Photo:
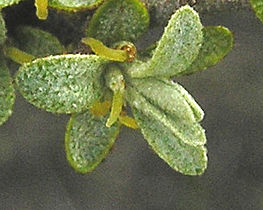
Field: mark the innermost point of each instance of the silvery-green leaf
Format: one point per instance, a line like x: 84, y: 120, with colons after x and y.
x: 189, y: 133
x: 178, y: 47
x: 5, y: 3
x: 74, y: 5
x: 118, y: 20
x: 62, y: 84
x: 2, y: 30
x: 88, y: 140
x: 184, y: 158
x: 167, y: 96
x: 197, y: 110
x: 7, y: 92
x: 257, y: 5
x: 37, y: 42
x: 217, y: 42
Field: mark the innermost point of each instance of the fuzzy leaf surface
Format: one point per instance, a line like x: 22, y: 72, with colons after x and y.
x: 257, y: 5
x: 178, y: 47
x: 168, y: 97
x: 88, y: 141
x: 37, y: 42
x: 218, y: 41
x: 197, y: 110
x: 118, y: 20
x: 2, y: 30
x: 74, y: 5
x: 62, y: 84
x: 184, y: 158
x: 7, y: 92
x: 189, y: 133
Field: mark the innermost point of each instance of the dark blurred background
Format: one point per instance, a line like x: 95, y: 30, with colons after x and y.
x: 34, y: 173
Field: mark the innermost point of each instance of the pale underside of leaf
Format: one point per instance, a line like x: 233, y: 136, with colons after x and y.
x: 7, y: 92
x: 178, y: 47
x: 118, y: 20
x: 184, y: 158
x: 257, y: 5
x: 197, y: 110
x: 217, y: 42
x: 88, y: 141
x: 62, y: 84
x: 189, y: 133
x: 167, y: 97
x: 37, y: 42
x: 74, y: 5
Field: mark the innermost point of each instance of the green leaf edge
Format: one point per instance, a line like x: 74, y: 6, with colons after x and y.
x: 201, y: 67
x: 148, y: 69
x: 9, y: 3
x: 102, y: 157
x: 59, y: 6
x: 257, y: 6
x: 3, y: 29
x: 91, y: 26
x: 35, y: 60
x: 37, y: 32
x: 156, y: 150
x: 166, y: 119
x: 11, y: 95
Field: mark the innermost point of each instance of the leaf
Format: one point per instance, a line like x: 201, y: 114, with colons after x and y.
x: 118, y: 20
x: 197, y: 110
x: 2, y: 30
x: 6, y: 3
x: 257, y: 5
x: 74, y: 5
x: 187, y: 159
x: 37, y: 42
x: 88, y: 141
x: 218, y: 41
x: 62, y: 84
x: 178, y: 47
x: 188, y: 132
x: 168, y: 96
x: 7, y: 92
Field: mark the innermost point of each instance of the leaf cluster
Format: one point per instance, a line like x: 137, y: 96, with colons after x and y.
x: 97, y: 88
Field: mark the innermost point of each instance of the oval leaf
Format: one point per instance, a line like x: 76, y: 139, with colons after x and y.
x: 166, y: 96
x: 189, y: 133
x: 2, y: 30
x: 218, y: 41
x: 182, y: 157
x: 62, y: 84
x: 74, y: 5
x: 37, y: 42
x: 257, y: 5
x: 88, y: 141
x: 118, y: 20
x: 7, y: 92
x: 177, y: 48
